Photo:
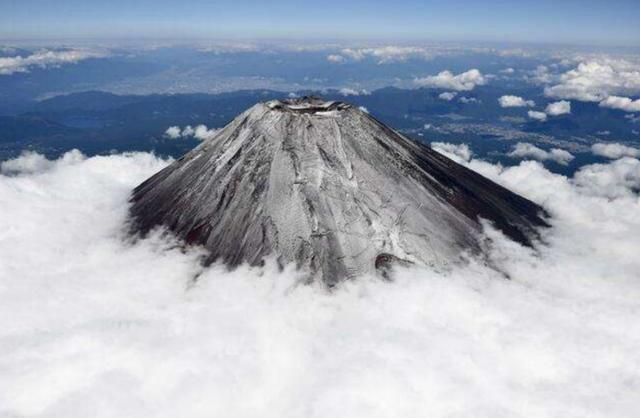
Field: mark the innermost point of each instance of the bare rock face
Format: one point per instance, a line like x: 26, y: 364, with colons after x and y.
x: 329, y: 188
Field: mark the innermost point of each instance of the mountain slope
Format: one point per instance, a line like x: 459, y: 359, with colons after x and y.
x: 326, y: 186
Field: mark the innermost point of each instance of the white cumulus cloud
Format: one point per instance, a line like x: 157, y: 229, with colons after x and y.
x: 28, y: 162
x: 457, y: 152
x: 203, y: 133
x: 348, y: 91
x: 540, y: 75
x: 526, y: 150
x: 540, y: 116
x: 515, y: 101
x: 447, y: 95
x: 385, y: 54
x: 558, y: 108
x: 467, y: 100
x: 614, y: 150
x: 200, y: 132
x: 173, y: 132
x: 336, y: 58
x: 447, y: 80
x: 622, y: 103
x: 620, y: 178
x: 594, y: 81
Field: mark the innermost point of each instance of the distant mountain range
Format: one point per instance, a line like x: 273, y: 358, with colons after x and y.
x: 98, y: 122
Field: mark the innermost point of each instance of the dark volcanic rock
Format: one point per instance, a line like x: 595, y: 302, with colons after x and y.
x: 326, y: 186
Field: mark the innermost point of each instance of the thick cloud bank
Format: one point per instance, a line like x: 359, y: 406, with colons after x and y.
x: 92, y: 324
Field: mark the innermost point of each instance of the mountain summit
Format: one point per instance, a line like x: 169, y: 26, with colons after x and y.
x: 326, y: 186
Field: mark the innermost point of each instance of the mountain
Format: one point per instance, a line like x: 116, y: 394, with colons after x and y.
x: 326, y: 186
x: 17, y: 128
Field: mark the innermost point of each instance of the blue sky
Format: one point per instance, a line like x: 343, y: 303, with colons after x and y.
x: 567, y: 21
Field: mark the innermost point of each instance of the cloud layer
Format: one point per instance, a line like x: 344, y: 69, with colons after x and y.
x: 46, y: 58
x: 93, y: 324
x: 383, y: 54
